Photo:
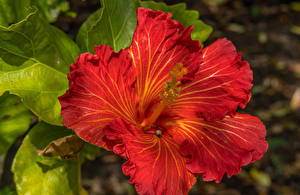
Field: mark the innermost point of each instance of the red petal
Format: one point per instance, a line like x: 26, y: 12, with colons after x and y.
x: 158, y: 44
x: 100, y: 89
x: 221, y: 146
x: 154, y: 164
x: 221, y: 84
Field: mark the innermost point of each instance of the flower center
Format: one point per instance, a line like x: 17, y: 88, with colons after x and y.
x: 170, y: 92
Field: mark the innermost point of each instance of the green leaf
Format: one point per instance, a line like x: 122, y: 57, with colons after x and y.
x: 112, y: 25
x: 187, y: 17
x: 14, y: 120
x: 39, y: 86
x: 12, y: 11
x: 115, y: 22
x: 35, y: 175
x: 34, y: 39
x: 34, y: 60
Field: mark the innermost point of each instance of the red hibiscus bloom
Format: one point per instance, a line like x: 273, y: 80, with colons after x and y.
x: 166, y: 105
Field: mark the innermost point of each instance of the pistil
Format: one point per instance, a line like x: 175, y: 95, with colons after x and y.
x: 170, y: 92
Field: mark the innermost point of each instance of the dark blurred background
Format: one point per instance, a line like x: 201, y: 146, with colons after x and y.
x: 267, y: 33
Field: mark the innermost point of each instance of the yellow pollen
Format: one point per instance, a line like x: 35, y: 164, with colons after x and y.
x: 170, y: 92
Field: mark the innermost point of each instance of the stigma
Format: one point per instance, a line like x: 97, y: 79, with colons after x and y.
x: 170, y: 92
x: 158, y: 133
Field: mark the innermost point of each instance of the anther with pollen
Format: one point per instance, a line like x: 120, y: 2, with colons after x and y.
x: 171, y: 88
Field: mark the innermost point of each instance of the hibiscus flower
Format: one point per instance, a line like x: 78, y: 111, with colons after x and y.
x: 166, y: 105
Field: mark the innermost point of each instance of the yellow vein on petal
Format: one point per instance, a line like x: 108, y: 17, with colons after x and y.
x: 219, y: 129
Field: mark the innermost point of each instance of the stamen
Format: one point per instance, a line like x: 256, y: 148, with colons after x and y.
x: 171, y: 91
